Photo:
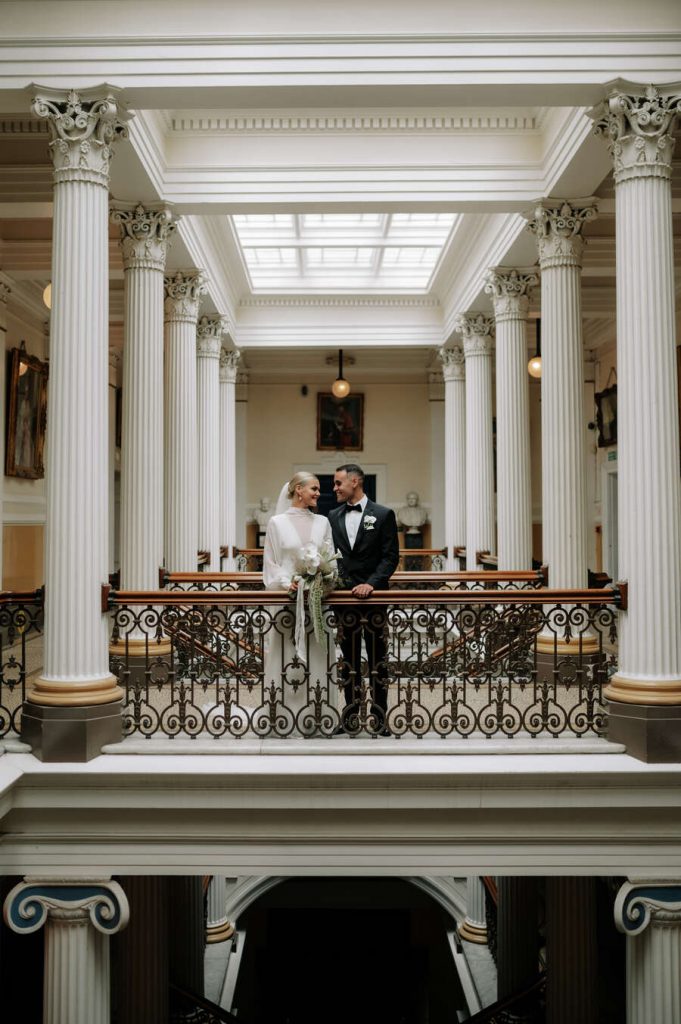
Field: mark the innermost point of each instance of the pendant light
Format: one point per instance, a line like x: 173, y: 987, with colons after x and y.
x: 534, y: 365
x: 340, y: 387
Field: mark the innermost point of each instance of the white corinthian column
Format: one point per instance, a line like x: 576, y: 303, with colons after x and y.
x: 558, y: 226
x: 182, y: 293
x: 229, y: 361
x: 477, y: 332
x: 208, y: 345
x: 454, y: 374
x: 638, y: 124
x: 79, y: 916
x: 510, y: 289
x: 145, y: 232
x: 648, y: 912
x: 83, y: 127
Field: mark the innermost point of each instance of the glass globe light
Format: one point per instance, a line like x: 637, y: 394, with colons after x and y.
x: 534, y: 366
x: 47, y: 295
x: 340, y: 387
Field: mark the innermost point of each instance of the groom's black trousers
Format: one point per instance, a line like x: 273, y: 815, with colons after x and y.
x: 368, y: 621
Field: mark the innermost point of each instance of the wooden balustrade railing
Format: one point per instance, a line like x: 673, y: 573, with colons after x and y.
x: 399, y: 580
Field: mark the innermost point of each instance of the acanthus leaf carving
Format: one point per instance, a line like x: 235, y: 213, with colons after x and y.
x: 510, y: 288
x: 637, y: 124
x: 182, y: 292
x: 558, y: 225
x: 146, y: 232
x: 209, y: 336
x: 453, y: 363
x: 229, y: 366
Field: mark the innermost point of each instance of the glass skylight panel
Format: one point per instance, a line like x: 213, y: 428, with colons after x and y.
x: 313, y: 251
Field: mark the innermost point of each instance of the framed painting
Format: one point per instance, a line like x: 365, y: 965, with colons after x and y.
x: 26, y: 415
x: 340, y: 422
x: 606, y: 416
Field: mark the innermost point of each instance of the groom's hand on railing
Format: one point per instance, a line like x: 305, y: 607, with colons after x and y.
x: 362, y: 590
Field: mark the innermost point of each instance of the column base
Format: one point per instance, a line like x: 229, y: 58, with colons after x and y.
x: 473, y: 933
x: 580, y: 646
x: 650, y: 734
x: 219, y: 932
x: 74, y: 734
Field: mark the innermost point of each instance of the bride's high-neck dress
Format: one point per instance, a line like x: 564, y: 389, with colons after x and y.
x: 306, y: 691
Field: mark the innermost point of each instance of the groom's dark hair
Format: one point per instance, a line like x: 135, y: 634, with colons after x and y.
x: 352, y: 469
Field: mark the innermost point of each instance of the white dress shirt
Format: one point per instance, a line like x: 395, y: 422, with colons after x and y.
x: 353, y: 519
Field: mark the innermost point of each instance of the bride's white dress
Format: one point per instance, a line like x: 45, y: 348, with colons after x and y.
x: 307, y: 693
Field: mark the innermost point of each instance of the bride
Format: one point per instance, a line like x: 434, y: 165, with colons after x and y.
x: 301, y: 670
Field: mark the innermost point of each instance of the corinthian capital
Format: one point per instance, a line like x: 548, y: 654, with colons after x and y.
x: 209, y: 336
x: 637, y: 123
x: 229, y: 365
x: 29, y: 904
x: 558, y: 226
x: 510, y: 288
x: 182, y: 293
x: 453, y: 364
x: 477, y: 330
x: 83, y: 127
x: 644, y: 900
x: 145, y: 233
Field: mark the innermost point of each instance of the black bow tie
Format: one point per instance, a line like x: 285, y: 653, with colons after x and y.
x: 353, y: 508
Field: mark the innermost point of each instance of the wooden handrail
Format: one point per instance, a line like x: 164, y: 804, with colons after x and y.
x: 22, y: 596
x: 341, y: 598
x: 501, y: 576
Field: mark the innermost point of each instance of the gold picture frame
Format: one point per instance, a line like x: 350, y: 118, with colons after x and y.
x: 340, y: 422
x: 26, y: 415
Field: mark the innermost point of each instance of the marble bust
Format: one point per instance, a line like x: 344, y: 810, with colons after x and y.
x: 412, y: 516
x: 263, y: 514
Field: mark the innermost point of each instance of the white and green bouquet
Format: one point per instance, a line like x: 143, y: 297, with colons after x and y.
x: 317, y: 576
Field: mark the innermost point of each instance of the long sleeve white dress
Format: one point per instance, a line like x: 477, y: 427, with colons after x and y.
x: 307, y: 691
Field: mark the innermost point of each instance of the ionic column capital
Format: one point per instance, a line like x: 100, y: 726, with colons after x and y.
x: 229, y: 365
x: 558, y: 226
x: 453, y: 363
x: 510, y: 288
x: 32, y: 901
x: 637, y: 123
x: 478, y: 332
x: 83, y: 126
x: 182, y: 292
x: 644, y: 900
x: 209, y: 336
x: 146, y: 232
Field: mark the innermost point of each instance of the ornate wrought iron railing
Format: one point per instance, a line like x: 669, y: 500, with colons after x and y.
x: 219, y: 581
x: 190, y: 1008
x: 455, y: 663
x: 21, y: 622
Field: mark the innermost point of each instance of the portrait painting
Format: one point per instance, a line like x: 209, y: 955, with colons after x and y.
x: 26, y: 415
x: 340, y: 422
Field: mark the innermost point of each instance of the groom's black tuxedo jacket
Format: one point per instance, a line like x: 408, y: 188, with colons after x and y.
x: 376, y: 553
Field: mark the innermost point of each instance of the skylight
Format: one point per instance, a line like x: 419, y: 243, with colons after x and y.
x: 341, y: 251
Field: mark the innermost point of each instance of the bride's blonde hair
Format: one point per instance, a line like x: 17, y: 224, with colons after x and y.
x: 303, y: 477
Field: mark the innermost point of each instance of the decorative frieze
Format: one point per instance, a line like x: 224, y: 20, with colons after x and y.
x: 558, y: 226
x: 83, y: 127
x: 510, y: 289
x: 145, y: 233
x: 183, y: 291
x: 637, y: 123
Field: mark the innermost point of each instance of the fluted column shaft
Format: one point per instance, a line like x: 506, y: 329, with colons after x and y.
x: 510, y: 289
x: 517, y: 928
x: 182, y: 292
x: 571, y: 951
x: 79, y: 916
x: 144, y: 238
x: 143, y: 973
x: 228, y: 372
x: 76, y: 662
x: 558, y: 225
x: 187, y: 932
x: 454, y: 374
x: 209, y: 343
x: 649, y: 914
x: 638, y: 125
x: 218, y: 928
x: 477, y: 346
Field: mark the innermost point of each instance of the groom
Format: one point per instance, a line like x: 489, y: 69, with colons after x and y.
x: 365, y: 534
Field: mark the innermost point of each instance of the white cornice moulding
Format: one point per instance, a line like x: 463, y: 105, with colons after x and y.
x: 335, y: 300
x: 332, y: 336
x: 263, y: 122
